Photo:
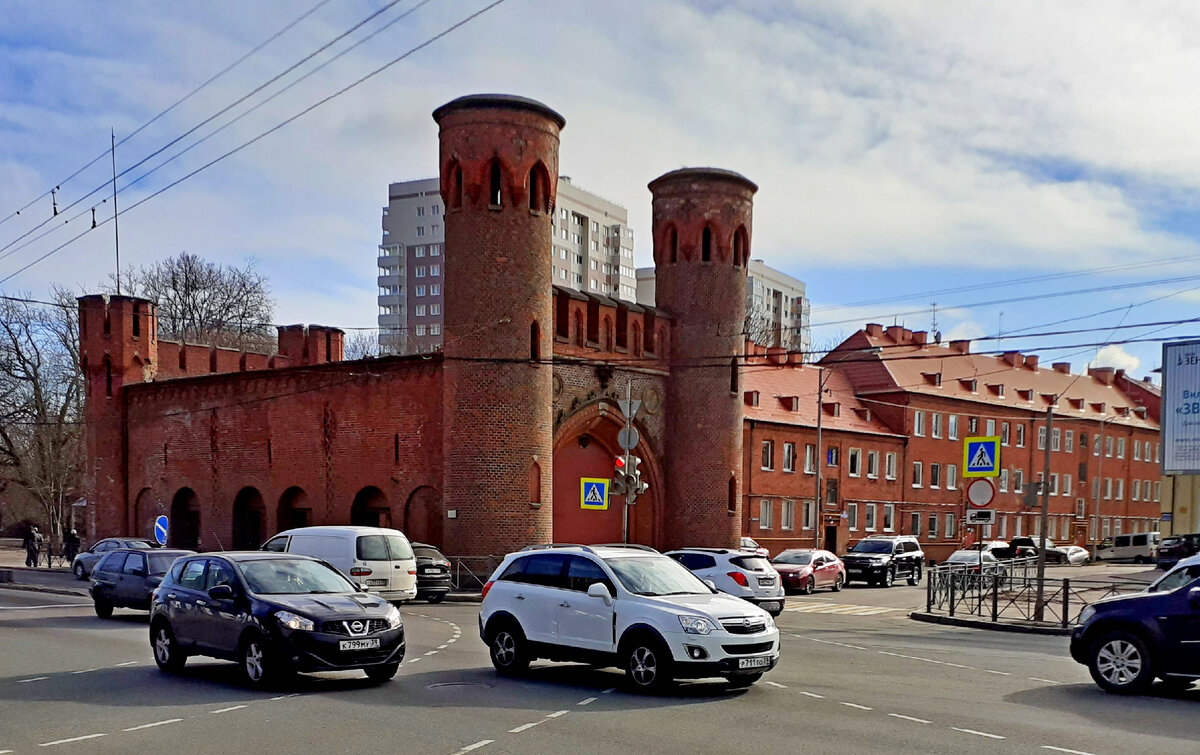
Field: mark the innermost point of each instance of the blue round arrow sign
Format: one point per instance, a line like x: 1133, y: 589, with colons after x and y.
x: 160, y: 530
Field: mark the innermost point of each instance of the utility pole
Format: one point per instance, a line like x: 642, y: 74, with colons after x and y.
x: 817, y: 457
x: 116, y: 232
x: 1039, y: 606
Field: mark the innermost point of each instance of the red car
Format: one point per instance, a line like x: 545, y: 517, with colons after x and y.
x: 805, y: 570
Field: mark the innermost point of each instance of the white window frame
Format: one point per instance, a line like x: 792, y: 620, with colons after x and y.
x: 854, y: 462
x: 919, y: 423
x: 1020, y: 435
x: 1056, y: 439
x: 768, y: 455
x: 951, y: 477
x: 1003, y: 480
x: 852, y: 516
x: 764, y: 513
x: 1066, y: 485
x: 787, y: 519
x: 789, y: 458
x: 952, y: 427
x: 1120, y: 448
x: 1004, y: 433
x: 810, y: 458
x: 935, y: 475
x: 890, y: 465
x: 869, y: 523
x: 889, y: 517
x: 1069, y: 442
x: 918, y: 470
x: 950, y: 526
x: 1041, y: 439
x: 933, y: 526
x: 935, y: 430
x: 991, y: 428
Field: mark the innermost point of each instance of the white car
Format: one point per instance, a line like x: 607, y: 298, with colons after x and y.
x: 751, y: 545
x: 973, y: 560
x: 744, y: 575
x: 378, y: 558
x: 629, y: 607
x: 1077, y: 556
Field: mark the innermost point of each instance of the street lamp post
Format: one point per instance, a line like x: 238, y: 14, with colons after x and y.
x: 1098, y: 486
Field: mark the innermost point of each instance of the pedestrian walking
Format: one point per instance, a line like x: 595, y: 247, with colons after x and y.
x: 32, y: 544
x: 71, y: 547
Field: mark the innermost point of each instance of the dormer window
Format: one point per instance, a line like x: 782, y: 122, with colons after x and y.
x: 997, y: 389
x: 832, y: 408
x: 969, y: 383
x: 751, y: 398
x: 933, y: 378
x: 1026, y: 394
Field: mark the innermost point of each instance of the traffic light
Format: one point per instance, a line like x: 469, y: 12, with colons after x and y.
x: 634, y: 482
x: 620, y: 478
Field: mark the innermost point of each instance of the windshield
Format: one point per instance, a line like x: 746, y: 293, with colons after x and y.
x: 430, y: 553
x: 793, y: 557
x: 970, y: 557
x: 160, y: 562
x: 1176, y: 579
x: 288, y: 576
x: 872, y: 546
x: 139, y: 545
x: 656, y: 576
x: 1169, y: 541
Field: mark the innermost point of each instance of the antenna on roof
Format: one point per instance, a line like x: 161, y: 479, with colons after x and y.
x: 933, y: 327
x: 1000, y: 326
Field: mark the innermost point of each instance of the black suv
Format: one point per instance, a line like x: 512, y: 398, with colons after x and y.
x: 1126, y: 641
x: 273, y: 613
x: 1175, y: 548
x: 126, y: 578
x: 882, y: 559
x: 433, y: 573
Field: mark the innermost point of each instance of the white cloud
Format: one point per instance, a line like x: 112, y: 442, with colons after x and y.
x: 967, y: 330
x: 1116, y: 356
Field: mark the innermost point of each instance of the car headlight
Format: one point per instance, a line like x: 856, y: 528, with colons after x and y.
x: 1087, y: 613
x: 292, y: 621
x: 770, y: 621
x: 696, y: 625
x: 392, y: 617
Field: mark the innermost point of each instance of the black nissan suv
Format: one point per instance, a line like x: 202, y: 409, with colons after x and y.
x: 882, y: 559
x: 273, y: 613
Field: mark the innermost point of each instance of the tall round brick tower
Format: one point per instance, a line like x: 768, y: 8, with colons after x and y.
x: 701, y: 227
x: 499, y: 168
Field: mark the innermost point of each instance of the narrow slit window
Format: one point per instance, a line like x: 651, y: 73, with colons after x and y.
x: 733, y: 375
x: 732, y: 494
x: 706, y: 245
x: 107, y: 377
x: 673, y: 243
x: 494, y: 195
x: 137, y: 320
x: 454, y: 195
x: 535, y: 346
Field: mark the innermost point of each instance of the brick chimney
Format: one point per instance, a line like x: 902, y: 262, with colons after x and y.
x: 1102, y: 375
x: 874, y: 329
x: 1031, y: 362
x: 961, y: 346
x: 1013, y: 358
x: 1063, y: 367
x: 920, y: 337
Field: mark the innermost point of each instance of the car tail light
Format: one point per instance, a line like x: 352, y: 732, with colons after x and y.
x: 412, y: 570
x: 486, y: 587
x: 738, y: 577
x: 360, y: 571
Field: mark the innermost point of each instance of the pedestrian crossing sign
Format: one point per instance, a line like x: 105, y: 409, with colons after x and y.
x: 593, y: 493
x: 981, y: 457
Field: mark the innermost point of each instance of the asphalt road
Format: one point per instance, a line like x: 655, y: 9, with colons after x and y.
x: 856, y: 676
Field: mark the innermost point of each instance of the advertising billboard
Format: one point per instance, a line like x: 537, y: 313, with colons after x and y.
x: 1181, y: 408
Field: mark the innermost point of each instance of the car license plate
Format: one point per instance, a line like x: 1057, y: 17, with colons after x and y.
x: 754, y: 662
x: 430, y: 570
x: 766, y: 581
x: 370, y: 644
x: 377, y: 583
x: 769, y: 606
x: 854, y: 569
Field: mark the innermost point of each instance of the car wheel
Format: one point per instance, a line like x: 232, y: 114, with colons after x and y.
x: 741, y: 681
x: 647, y: 664
x: 810, y: 586
x: 507, y: 649
x: 1120, y: 663
x: 915, y: 578
x: 437, y: 597
x: 104, y: 608
x: 1139, y: 560
x: 382, y: 673
x: 889, y: 577
x: 77, y: 569
x: 259, y: 666
x: 167, y: 654
x: 839, y: 583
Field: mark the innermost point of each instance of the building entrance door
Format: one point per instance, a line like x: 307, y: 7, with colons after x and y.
x: 831, y: 539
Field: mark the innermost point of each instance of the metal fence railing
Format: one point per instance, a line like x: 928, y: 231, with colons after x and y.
x: 1009, y: 592
x: 471, y: 572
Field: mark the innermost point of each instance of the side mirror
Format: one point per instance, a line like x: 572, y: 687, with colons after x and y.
x: 711, y: 585
x: 360, y: 587
x: 221, y: 592
x: 598, y: 590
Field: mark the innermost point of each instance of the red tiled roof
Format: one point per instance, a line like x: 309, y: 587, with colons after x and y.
x: 778, y: 385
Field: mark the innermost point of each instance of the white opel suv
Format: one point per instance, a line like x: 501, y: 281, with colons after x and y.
x: 625, y: 606
x: 744, y: 575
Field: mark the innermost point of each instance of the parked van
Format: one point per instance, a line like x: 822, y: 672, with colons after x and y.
x: 379, y: 558
x: 1138, y: 547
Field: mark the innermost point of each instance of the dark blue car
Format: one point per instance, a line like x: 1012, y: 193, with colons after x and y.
x: 1127, y: 641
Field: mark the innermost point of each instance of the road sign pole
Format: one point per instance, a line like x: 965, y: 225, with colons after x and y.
x: 630, y: 495
x: 1039, y: 607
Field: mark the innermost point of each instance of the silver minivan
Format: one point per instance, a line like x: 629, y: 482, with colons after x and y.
x: 379, y: 558
x: 1138, y: 547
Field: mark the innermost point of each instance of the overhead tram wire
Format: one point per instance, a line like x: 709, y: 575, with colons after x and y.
x: 228, y: 123
x: 411, y: 51
x: 173, y: 105
x: 210, y: 118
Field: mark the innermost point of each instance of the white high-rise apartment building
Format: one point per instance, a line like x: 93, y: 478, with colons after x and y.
x: 777, y: 309
x: 593, y: 253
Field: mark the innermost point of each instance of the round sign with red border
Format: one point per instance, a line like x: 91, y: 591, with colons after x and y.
x: 980, y: 492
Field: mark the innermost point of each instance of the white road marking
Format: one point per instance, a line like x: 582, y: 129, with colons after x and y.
x: 586, y: 701
x: 156, y: 723
x: 126, y: 663
x: 413, y: 660
x: 777, y: 684
x: 609, y: 691
x: 85, y: 671
x: 34, y: 679
x: 72, y: 739
x: 451, y: 641
x: 910, y: 718
x: 556, y: 714
x: 38, y: 608
x: 999, y: 673
x: 839, y: 644
x: 1063, y: 749
x: 441, y: 647
x: 5, y: 752
x: 978, y: 733
x: 854, y: 705
x: 1046, y: 681
x: 432, y: 652
x: 812, y: 694
x: 477, y: 745
x: 523, y: 727
x: 226, y: 710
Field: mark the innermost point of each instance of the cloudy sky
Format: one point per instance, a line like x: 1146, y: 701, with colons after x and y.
x: 995, y: 158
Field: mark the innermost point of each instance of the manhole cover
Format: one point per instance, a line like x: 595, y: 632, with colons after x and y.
x: 444, y: 685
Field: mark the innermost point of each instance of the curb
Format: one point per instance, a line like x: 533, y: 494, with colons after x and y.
x: 954, y: 621
x: 39, y: 588
x: 463, y: 597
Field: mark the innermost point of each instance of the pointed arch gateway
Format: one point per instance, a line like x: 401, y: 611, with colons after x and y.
x: 585, y: 446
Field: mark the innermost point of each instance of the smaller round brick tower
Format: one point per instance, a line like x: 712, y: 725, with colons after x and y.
x: 499, y: 168
x: 701, y: 226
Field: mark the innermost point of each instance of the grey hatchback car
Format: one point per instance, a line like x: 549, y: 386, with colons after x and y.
x: 126, y: 578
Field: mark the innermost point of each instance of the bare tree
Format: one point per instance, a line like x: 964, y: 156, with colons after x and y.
x: 41, y: 404
x: 759, y: 326
x: 205, y: 302
x: 360, y: 344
